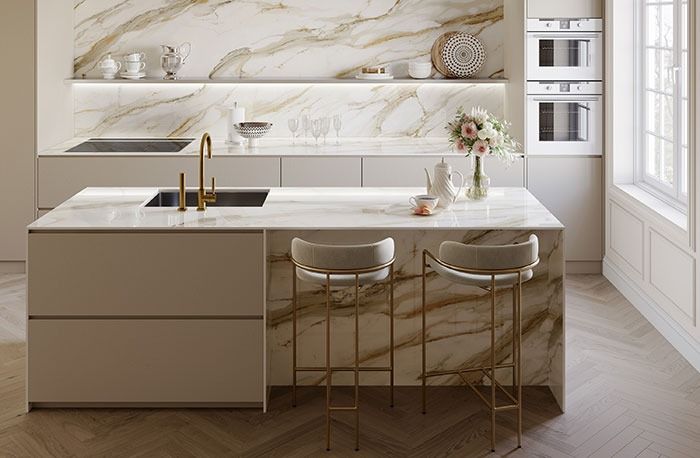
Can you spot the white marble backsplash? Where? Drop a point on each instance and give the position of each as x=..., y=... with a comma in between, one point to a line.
x=286, y=38
x=283, y=38
x=419, y=110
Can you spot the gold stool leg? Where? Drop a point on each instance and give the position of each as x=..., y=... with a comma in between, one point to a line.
x=391, y=336
x=294, y=335
x=423, y=334
x=519, y=360
x=328, y=363
x=493, y=363
x=515, y=338
x=357, y=362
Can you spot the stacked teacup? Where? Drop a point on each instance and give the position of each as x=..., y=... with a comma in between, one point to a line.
x=109, y=67
x=134, y=65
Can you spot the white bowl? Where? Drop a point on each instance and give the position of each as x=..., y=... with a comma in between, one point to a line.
x=252, y=131
x=420, y=70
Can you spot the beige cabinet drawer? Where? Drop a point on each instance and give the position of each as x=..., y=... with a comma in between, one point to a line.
x=322, y=171
x=149, y=361
x=399, y=171
x=565, y=9
x=146, y=274
x=61, y=177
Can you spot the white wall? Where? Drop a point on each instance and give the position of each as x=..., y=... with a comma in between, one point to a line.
x=650, y=251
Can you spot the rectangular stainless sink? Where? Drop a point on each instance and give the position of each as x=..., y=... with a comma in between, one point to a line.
x=223, y=199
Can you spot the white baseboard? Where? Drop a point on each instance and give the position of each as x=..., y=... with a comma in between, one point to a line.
x=12, y=267
x=686, y=345
x=584, y=267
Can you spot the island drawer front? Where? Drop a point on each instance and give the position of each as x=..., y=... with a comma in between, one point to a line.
x=62, y=177
x=322, y=171
x=146, y=274
x=148, y=361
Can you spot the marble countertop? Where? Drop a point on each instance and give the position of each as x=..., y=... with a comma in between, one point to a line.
x=284, y=147
x=298, y=208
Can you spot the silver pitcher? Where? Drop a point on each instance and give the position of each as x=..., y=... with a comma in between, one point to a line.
x=173, y=58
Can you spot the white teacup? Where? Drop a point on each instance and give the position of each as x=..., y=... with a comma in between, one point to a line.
x=424, y=202
x=134, y=67
x=135, y=57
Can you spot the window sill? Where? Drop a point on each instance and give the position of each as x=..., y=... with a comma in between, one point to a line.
x=666, y=211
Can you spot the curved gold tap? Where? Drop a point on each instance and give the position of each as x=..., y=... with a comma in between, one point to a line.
x=202, y=196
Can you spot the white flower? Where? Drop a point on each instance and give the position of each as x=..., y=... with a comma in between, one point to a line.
x=479, y=115
x=496, y=140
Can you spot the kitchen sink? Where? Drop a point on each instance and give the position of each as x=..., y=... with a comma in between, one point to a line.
x=223, y=199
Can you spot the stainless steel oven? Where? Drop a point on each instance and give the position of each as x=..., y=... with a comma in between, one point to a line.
x=565, y=118
x=565, y=50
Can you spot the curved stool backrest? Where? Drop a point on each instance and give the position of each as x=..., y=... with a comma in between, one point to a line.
x=491, y=258
x=342, y=257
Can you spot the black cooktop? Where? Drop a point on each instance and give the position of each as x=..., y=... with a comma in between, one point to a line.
x=131, y=145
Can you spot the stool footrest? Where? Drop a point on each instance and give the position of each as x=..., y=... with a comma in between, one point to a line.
x=467, y=369
x=486, y=401
x=342, y=408
x=342, y=369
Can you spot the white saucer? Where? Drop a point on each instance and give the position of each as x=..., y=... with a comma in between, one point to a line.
x=374, y=76
x=132, y=76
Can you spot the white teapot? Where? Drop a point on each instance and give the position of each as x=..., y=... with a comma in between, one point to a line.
x=109, y=67
x=441, y=184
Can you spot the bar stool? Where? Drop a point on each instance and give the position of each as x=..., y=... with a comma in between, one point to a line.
x=487, y=267
x=342, y=266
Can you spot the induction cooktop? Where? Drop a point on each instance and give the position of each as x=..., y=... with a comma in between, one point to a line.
x=131, y=145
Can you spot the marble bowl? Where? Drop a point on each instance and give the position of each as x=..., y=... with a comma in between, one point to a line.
x=252, y=131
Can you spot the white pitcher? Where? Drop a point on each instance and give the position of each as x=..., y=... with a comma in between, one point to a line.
x=441, y=184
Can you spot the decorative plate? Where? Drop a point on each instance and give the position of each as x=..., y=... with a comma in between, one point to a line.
x=458, y=54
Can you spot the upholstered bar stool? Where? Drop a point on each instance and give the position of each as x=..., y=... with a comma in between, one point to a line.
x=489, y=268
x=342, y=266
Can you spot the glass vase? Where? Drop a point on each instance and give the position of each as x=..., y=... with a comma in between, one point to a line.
x=479, y=182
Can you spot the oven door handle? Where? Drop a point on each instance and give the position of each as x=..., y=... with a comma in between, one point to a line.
x=566, y=36
x=565, y=99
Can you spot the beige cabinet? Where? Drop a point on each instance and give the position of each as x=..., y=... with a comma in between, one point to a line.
x=564, y=9
x=401, y=171
x=571, y=188
x=61, y=177
x=322, y=171
x=145, y=361
x=146, y=274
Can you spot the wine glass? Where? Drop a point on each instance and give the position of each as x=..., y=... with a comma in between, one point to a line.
x=316, y=129
x=293, y=126
x=325, y=127
x=337, y=123
x=306, y=125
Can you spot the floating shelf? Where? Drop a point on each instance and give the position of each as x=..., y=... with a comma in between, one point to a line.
x=286, y=81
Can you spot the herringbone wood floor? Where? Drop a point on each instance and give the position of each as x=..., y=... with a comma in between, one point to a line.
x=629, y=394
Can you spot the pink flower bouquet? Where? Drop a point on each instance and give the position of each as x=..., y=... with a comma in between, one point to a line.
x=480, y=133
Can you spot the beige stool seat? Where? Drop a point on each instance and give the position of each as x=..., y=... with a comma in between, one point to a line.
x=342, y=266
x=487, y=267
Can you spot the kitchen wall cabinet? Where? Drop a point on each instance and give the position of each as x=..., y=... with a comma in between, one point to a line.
x=409, y=171
x=571, y=188
x=565, y=9
x=322, y=171
x=61, y=177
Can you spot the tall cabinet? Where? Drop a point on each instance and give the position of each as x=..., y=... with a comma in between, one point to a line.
x=17, y=128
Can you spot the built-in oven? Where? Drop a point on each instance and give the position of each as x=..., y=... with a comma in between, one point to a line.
x=565, y=50
x=565, y=118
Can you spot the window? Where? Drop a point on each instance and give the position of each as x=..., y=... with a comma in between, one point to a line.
x=662, y=127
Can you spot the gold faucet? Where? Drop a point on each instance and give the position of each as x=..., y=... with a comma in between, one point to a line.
x=202, y=196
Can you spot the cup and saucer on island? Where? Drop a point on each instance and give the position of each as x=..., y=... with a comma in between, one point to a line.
x=424, y=205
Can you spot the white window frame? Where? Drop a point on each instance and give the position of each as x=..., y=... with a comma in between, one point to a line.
x=670, y=194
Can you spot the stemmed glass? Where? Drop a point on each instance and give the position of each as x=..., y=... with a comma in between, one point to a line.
x=337, y=123
x=306, y=125
x=316, y=129
x=293, y=126
x=325, y=127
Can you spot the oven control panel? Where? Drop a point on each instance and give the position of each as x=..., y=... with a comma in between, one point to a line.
x=565, y=25
x=565, y=87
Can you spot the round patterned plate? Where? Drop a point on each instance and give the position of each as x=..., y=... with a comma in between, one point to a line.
x=458, y=54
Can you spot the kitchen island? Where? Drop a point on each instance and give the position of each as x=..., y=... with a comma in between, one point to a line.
x=146, y=306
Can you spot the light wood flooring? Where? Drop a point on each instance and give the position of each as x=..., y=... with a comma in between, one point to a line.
x=629, y=394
